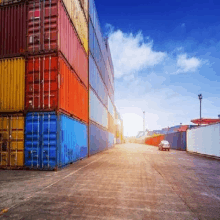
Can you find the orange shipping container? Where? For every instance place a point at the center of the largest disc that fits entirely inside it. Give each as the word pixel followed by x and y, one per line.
pixel 155 141
pixel 51 85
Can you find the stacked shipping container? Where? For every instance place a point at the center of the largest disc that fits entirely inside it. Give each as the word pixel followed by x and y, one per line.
pixel 45 65
pixel 46 76
pixel 12 82
pixel 119 128
pixel 101 82
pixel 56 84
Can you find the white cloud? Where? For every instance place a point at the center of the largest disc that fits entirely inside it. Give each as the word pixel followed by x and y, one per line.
pixel 131 54
pixel 187 64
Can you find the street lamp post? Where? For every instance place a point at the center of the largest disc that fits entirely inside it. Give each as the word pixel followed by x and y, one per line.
pixel 200 99
pixel 144 122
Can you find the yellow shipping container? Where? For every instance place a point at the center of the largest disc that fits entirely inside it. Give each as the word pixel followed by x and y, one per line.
pixel 79 20
pixel 12 141
pixel 12 84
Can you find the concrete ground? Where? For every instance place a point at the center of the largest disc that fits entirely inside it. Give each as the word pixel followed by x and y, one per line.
pixel 130 181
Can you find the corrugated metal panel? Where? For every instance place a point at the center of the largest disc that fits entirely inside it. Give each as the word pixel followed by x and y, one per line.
pixel 97 54
pixel 204 140
pixel 73 96
pixel 12 83
pixel 98 113
pixel 42 83
pixel 96 81
pixel 13 30
pixel 111 138
pixel 74 140
pixel 52 85
pixel 98 139
pixel 53 141
pixel 11 141
pixel 41 141
pixel 177 140
pixel 79 20
pixel 49 29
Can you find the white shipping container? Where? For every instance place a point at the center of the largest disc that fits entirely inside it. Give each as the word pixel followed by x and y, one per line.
pixel 204 140
pixel 97 112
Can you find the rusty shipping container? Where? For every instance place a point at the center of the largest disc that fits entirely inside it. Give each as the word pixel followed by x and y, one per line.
pixel 85 7
pixel 11 141
pixel 50 29
pixel 12 84
pixel 52 85
pixel 13 30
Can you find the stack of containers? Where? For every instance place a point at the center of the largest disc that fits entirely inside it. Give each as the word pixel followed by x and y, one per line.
pixel 119 128
pixel 56 125
pixel 12 82
pixel 101 87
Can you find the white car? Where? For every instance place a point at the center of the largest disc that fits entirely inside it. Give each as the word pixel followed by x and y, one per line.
pixel 164 145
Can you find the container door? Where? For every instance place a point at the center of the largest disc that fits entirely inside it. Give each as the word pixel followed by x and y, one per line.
pixel 11 141
pixel 33 138
pixel 42 25
pixel 41 143
pixel 49 141
pixel 4 141
pixel 42 83
pixel 16 141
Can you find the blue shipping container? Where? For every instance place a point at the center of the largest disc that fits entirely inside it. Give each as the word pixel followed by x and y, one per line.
pixel 96 81
pixel 177 140
pixel 98 139
pixel 53 141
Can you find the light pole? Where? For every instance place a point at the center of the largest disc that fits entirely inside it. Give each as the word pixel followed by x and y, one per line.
pixel 200 99
pixel 144 122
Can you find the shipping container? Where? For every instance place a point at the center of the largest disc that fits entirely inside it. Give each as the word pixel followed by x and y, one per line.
pixel 13 30
pixel 50 29
pixel 52 85
pixel 155 141
pixel 111 124
pixel 97 111
pixel 110 107
pixel 11 141
pixel 85 7
pixel 98 139
pixel 111 138
pixel 95 51
pixel 53 140
pixel 177 140
pixel 204 140
pixel 78 18
pixel 96 82
pixel 12 84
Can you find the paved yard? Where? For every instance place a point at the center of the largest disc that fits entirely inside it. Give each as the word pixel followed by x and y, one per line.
pixel 130 181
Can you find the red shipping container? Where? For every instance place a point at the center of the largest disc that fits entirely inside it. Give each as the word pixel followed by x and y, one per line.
pixel 13 30
pixel 155 141
pixel 51 85
pixel 50 29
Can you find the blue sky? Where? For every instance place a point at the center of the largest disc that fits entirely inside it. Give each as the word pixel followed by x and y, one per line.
pixel 165 53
